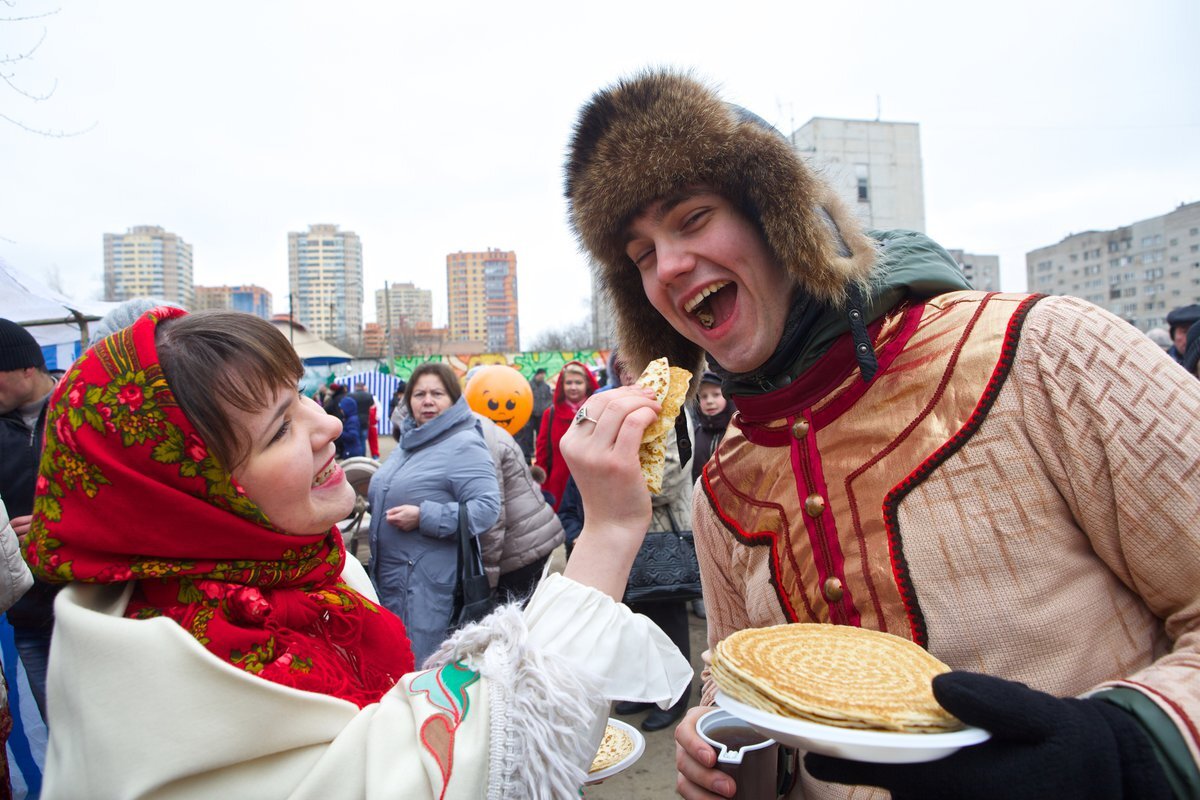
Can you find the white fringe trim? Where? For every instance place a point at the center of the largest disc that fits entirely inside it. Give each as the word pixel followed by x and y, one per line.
pixel 540 707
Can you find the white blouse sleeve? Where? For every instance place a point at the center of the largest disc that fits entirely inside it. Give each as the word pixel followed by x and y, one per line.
pixel 515 708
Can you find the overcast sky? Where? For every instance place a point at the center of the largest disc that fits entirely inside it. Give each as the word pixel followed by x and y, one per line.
pixel 436 127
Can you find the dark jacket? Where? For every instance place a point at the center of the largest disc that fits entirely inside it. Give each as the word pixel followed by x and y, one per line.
pixel 570 512
pixel 20 452
pixel 1191 356
pixel 707 434
pixel 363 400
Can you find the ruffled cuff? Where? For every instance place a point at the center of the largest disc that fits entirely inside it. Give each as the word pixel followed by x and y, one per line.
pixel 630 655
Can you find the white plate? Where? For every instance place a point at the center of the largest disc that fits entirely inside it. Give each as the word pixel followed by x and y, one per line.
pixel 880 747
pixel 639 747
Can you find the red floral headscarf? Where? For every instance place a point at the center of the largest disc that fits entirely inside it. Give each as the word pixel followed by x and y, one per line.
pixel 128 491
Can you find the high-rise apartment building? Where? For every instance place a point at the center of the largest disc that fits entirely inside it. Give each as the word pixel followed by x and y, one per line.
pixel 1138 272
pixel 481 291
pixel 604 321
pixel 402 305
pixel 982 272
pixel 874 166
pixel 374 341
pixel 325 279
pixel 147 261
pixel 402 309
pixel 251 299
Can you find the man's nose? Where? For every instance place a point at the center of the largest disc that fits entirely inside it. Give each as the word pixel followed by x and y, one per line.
pixel 673 259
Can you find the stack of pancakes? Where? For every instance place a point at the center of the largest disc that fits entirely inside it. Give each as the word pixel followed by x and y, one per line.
pixel 617 744
pixel 834 675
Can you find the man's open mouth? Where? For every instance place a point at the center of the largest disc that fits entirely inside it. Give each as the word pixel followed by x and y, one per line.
pixel 713 304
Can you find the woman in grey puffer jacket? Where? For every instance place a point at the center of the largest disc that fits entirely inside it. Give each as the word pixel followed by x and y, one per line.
pixel 441 461
pixel 517 547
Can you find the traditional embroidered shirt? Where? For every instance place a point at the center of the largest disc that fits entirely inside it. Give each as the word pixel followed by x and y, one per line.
pixel 1015 490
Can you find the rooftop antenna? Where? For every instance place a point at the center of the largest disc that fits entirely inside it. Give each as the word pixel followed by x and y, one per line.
pixel 791 117
pixel 878 108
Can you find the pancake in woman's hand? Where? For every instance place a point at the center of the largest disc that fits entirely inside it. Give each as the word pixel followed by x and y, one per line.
pixel 670 387
pixel 834 675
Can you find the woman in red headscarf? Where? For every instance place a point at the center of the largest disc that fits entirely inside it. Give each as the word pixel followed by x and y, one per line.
pixel 215 641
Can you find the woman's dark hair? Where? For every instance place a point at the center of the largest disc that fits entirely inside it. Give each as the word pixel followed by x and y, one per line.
pixel 443 372
pixel 217 359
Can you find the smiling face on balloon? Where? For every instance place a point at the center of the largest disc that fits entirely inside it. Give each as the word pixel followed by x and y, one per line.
pixel 501 394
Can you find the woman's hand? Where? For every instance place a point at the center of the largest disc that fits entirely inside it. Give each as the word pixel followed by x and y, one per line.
pixel 602 452
pixel 406 518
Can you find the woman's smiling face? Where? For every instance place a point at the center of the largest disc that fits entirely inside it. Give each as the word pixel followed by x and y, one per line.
pixel 289 470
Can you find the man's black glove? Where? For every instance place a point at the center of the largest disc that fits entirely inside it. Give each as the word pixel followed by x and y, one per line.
pixel 1041 747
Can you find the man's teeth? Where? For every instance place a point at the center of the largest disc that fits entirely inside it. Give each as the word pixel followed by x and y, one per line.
pixel 706 318
pixel 690 306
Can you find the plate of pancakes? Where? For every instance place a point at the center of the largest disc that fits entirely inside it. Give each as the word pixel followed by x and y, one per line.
pixel 620 748
pixel 840 691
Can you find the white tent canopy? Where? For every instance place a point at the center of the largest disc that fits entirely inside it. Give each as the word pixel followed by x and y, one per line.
pixel 58 323
pixel 312 349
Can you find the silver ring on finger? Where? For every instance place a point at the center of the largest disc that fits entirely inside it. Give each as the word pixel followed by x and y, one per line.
pixel 582 416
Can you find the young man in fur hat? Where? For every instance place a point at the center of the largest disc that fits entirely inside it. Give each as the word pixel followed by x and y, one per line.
pixel 957 468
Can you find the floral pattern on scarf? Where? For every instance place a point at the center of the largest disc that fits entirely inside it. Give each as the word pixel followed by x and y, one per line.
pixel 128 490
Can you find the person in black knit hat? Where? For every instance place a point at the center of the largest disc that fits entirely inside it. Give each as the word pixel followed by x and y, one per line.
pixel 25 386
pixel 1179 321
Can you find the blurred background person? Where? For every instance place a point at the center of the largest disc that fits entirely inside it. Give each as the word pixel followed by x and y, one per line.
pixel 364 401
pixel 543 398
pixel 25 387
pixel 1178 322
pixel 575 384
pixel 539 477
pixel 1160 337
pixel 440 461
pixel 373 431
pixel 517 547
pixel 1191 353
pixel 711 412
pixel 15 580
pixel 342 406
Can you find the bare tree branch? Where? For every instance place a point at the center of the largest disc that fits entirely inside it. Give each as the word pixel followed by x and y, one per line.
pixel 31 16
pixel 7 78
pixel 46 132
pixel 10 79
pixel 569 337
pixel 27 54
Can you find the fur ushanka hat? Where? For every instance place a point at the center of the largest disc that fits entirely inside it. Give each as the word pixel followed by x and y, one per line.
pixel 659 132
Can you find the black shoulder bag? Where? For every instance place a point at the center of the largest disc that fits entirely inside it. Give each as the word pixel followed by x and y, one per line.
pixel 474 599
pixel 665 567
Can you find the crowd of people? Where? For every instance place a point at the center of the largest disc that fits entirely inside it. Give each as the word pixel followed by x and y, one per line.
pixel 873 443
